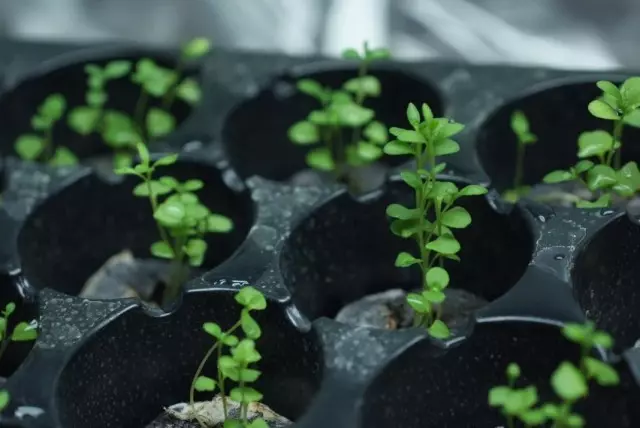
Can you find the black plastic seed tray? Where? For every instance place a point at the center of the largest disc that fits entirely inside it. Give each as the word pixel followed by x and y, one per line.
pixel 312 248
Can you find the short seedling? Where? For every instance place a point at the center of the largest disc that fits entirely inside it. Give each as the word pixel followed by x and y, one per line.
pixel 428 138
pixel 39 145
pixel 236 364
pixel 22 332
pixel 606 177
pixel 182 220
pixel 120 131
pixel 570 384
pixel 520 127
pixel 347 130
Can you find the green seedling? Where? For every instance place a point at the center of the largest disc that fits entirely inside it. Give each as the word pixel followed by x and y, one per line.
pixel 38 146
pixel 428 138
pixel 569 382
pixel 236 364
pixel 121 131
pixel 5 398
pixel 182 220
pixel 347 131
pixel 520 127
pixel 599 168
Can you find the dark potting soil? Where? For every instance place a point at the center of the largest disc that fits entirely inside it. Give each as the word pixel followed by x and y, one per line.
pixel 389 310
pixel 211 415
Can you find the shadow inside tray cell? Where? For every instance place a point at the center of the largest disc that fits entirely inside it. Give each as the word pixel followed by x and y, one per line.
pixel 19 104
pixel 606 280
pixel 136 365
pixel 13 353
pixel 255 133
pixel 64 241
pixel 557 116
pixel 421 390
pixel 345 251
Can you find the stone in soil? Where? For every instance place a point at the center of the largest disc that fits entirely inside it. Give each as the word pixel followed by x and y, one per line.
pixel 125 276
pixel 211 415
pixel 389 310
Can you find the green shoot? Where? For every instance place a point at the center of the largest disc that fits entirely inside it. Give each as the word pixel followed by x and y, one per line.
pixel 5 397
pixel 346 129
pixel 22 332
pixel 429 137
pixel 236 364
pixel 182 220
pixel 599 168
pixel 569 382
pixel 38 146
pixel 520 127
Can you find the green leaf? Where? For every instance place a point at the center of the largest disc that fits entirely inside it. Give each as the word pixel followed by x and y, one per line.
pixel 602 110
pixel 248 375
pixel 117 69
pixel 192 185
pixel 402 212
pixel 368 152
pixel 63 157
pixel 456 217
pixel 350 53
pixel 196 249
pixel 498 395
pixel 443 189
pixel 166 160
pixel 568 383
pixel 119 130
pixel 376 132
pixel 53 107
pixel 558 177
pixel 40 124
pixel 473 190
pixel 603 201
pixel 96 98
pixel 365 85
pixel 433 296
pixel 5 398
pixel 24 332
pixel 233 423
pixel 437 278
pixel 407 135
pixel 157 188
pixel 628 180
pixel 601 177
pixel 575 332
pixel 602 339
pixel 83 119
pixel 217 223
pixel 439 330
pixel 213 329
pixel 245 352
pixel 304 133
pixel 632 118
pixel 449 129
pixel 445 244
pixel 249 326
pixel 352 114
pixel 513 371
pixel 320 159
pixel 533 417
pixel 413 115
pixel 245 395
pixel 257 423
pixel 603 373
pixel 583 166
pixel 594 143
pixel 405 259
pixel 521 400
pixel 204 383
pixel 609 89
pixel 170 214
pixel 427 113
pixel 229 340
pixel 189 91
pixel 519 123
pixel 29 147
pixel 446 147
pixel 170 182
pixel 196 48
pixel 251 298
pixel 396 147
pixel 418 303
pixel 9 309
pixel 162 250
pixel 378 54
pixel 159 122
pixel 630 92
pixel 312 88
pixel 412 179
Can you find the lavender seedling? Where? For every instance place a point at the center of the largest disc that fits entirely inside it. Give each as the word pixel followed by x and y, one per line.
pixel 39 146
pixel 429 137
pixel 348 132
pixel 520 127
pixel 569 382
pixel 235 365
pixel 182 220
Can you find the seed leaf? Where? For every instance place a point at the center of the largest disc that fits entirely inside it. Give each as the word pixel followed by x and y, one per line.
pixel 601 177
pixel 498 395
pixel 519 123
pixel 602 202
pixel 4 399
pixel 602 110
pixel 204 383
pixel 29 147
pixel 83 119
pixel 251 299
pixel 350 53
pixel 568 382
pixel 456 217
pixel 378 54
pixel 24 332
pixel 53 107
pixel 189 91
pixel 439 330
pixel 437 278
pixel 63 157
pixel 119 130
pixel 558 177
pixel 445 244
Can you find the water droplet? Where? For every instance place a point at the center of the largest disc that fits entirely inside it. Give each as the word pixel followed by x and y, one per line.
pixel 606 212
pixel 559 257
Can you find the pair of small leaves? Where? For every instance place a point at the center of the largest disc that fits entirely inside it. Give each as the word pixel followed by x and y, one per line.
pixel 573 173
pixel 251 298
pixel 196 48
pixel 49 112
pixel 363 86
pixel 31 147
pixel 617 102
pixel 587 335
pixel 235 371
pixel 625 182
pixel 366 54
pixel 596 143
pixel 155 80
pixel 520 127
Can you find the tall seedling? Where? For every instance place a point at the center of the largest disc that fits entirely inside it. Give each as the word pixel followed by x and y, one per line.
pixel 181 219
pixel 347 131
pixel 524 136
pixel 428 138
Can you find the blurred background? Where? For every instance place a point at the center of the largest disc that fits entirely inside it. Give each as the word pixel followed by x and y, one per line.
pixel 577 34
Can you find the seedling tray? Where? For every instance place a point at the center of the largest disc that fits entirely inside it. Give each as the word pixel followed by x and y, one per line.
pixel 311 248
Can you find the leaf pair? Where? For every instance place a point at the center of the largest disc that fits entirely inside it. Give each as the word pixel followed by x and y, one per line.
pixel 616 102
pixel 520 127
pixel 366 54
